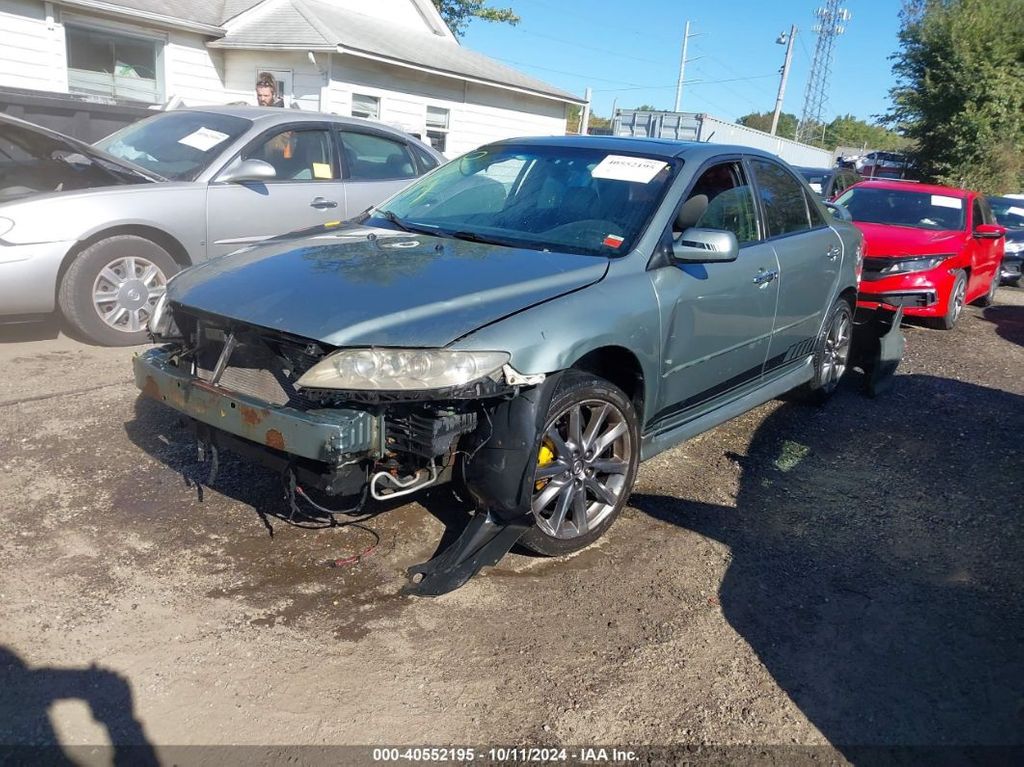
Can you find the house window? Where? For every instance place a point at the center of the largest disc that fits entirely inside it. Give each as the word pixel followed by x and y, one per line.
pixel 437 127
pixel 103 63
pixel 365 106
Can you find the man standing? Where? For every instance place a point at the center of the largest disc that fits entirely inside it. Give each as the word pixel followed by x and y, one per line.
pixel 266 91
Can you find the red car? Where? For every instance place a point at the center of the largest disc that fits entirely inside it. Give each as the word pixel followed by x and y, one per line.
pixel 930 249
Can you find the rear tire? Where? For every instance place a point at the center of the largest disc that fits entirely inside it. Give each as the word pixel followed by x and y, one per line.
pixel 832 352
pixel 955 305
pixel 586 465
pixel 990 297
pixel 109 291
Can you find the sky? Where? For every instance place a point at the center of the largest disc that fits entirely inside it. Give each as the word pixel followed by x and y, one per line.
pixel 628 52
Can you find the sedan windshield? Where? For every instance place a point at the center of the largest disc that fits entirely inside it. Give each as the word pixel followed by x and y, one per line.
pixel 569 199
pixel 175 145
pixel 899 207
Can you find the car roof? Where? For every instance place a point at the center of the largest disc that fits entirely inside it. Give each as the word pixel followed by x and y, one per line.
pixel 268 117
pixel 912 186
pixel 652 147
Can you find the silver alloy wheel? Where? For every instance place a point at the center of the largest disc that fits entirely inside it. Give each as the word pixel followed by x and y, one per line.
pixel 837 350
pixel 579 486
pixel 959 294
pixel 125 292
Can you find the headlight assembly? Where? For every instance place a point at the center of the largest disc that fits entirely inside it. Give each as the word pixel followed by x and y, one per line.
pixel 402 369
pixel 914 264
pixel 161 322
pixel 1012 246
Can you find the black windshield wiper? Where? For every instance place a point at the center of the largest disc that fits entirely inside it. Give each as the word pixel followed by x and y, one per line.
pixel 402 224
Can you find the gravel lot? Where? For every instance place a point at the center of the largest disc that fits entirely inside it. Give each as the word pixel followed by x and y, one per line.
pixel 842 575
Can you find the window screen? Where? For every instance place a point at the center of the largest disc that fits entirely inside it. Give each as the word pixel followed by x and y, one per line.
pixel 107 64
pixel 365 106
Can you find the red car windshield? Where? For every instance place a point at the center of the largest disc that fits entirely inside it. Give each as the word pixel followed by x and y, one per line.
pixel 900 207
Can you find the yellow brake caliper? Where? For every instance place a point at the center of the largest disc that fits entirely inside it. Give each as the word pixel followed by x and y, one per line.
pixel 545 455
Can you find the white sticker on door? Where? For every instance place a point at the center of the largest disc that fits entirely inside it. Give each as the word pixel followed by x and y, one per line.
pixel 203 139
pixel 622 168
pixel 942 201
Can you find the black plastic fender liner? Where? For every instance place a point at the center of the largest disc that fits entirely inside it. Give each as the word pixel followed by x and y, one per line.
pixel 498 473
pixel 878 346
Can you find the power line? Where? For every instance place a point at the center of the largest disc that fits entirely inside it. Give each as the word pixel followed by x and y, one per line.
pixel 590 47
pixel 688 82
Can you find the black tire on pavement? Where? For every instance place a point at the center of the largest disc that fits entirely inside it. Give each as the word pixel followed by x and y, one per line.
pixel 990 297
pixel 605 421
pixel 102 269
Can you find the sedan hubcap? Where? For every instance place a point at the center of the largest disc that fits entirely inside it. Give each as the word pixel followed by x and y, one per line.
pixel 125 292
pixel 958 299
pixel 581 472
pixel 837 350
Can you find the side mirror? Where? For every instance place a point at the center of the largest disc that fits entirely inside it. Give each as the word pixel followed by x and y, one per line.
pixel 838 211
pixel 702 246
pixel 989 231
pixel 249 170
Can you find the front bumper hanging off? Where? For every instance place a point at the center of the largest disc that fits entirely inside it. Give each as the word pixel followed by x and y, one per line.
pixel 878 346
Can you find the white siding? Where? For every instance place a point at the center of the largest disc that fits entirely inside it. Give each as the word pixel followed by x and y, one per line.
pixel 308 81
pixel 31 50
pixel 192 71
pixel 478 113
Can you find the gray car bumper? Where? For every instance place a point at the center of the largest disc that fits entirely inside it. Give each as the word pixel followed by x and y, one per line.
pixel 28 276
pixel 332 436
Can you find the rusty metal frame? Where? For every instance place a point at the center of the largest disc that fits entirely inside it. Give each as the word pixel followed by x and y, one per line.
pixel 330 435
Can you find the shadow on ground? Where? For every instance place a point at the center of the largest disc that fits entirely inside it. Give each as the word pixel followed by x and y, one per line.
pixel 1009 322
pixel 26 695
pixel 876 565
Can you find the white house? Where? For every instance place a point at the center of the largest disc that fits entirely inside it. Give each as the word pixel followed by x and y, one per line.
pixel 391 60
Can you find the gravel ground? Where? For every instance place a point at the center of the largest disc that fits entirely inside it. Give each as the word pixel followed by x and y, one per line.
pixel 836 576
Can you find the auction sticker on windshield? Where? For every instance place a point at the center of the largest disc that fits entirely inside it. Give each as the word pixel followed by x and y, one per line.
pixel 942 201
pixel 622 168
pixel 203 139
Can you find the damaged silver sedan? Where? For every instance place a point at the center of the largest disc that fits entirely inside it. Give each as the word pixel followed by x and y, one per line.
pixel 531 320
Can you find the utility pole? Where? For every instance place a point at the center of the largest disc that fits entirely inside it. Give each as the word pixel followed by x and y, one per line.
pixel 585 114
pixel 682 65
pixel 785 73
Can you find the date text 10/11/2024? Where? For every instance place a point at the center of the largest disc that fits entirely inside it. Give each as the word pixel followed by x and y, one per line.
pixel 504 754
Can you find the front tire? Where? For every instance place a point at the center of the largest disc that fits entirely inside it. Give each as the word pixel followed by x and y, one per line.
pixel 111 288
pixel 955 305
pixel 586 465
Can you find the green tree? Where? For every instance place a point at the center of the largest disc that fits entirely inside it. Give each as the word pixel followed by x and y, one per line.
pixel 847 130
pixel 458 13
pixel 959 95
pixel 763 121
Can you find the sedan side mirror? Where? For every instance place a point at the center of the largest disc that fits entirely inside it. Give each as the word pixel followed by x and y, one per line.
pixel 249 170
pixel 838 211
pixel 989 231
pixel 701 246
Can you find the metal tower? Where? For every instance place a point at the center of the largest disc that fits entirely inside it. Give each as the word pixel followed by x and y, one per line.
pixel 831 19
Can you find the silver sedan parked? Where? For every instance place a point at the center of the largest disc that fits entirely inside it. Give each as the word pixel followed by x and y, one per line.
pixel 96 231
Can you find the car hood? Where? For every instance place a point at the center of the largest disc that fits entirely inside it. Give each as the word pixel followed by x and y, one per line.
pixel 377 287
pixel 881 240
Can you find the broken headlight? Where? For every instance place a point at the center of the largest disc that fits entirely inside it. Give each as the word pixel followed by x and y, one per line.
pixel 402 369
pixel 161 322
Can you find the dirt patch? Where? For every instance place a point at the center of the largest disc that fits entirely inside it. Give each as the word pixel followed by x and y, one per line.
pixel 801 575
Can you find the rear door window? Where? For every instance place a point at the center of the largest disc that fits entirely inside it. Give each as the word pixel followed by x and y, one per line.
pixel 371 157
pixel 782 199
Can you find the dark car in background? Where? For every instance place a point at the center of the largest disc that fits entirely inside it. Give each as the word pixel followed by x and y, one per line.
pixel 829 183
pixel 883 165
pixel 1009 213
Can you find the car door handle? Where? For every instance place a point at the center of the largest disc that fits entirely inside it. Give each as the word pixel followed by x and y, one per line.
pixel 764 276
pixel 833 253
pixel 321 203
